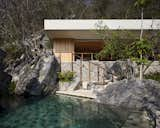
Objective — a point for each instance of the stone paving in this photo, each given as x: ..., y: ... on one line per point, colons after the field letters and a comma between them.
x: 78, y: 93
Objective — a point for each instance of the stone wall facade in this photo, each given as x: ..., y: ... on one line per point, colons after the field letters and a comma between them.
x: 95, y: 70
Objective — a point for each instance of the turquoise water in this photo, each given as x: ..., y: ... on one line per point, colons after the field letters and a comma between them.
x: 63, y: 112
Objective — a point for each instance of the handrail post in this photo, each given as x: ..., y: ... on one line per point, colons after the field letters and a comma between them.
x: 98, y: 73
x: 60, y: 62
x: 89, y: 71
x: 103, y: 76
x: 72, y: 61
x: 81, y: 66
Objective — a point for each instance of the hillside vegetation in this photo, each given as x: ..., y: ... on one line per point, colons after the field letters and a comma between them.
x: 19, y: 19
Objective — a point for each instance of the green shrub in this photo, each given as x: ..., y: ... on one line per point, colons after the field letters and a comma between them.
x: 154, y: 76
x: 67, y: 76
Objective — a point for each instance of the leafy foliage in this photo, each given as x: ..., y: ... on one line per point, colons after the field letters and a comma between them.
x: 142, y: 47
x: 109, y: 9
x: 155, y: 76
x: 121, y: 45
x: 21, y: 18
x: 67, y: 76
x: 142, y: 3
x: 116, y: 43
x: 114, y: 50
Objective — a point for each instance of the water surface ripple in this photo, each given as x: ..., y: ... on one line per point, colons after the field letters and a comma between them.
x: 64, y: 112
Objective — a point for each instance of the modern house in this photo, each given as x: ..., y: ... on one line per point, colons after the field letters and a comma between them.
x: 75, y: 43
x: 75, y: 39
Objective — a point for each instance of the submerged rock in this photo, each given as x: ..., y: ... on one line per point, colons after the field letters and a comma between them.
x: 134, y: 94
x: 138, y: 120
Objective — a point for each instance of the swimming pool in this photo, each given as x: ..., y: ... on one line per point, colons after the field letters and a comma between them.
x: 64, y: 112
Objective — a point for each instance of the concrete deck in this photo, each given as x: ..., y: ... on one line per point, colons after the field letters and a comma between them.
x: 78, y: 93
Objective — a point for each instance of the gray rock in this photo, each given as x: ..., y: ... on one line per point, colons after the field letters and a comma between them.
x: 153, y: 68
x: 70, y: 86
x: 35, y: 72
x: 120, y: 70
x: 75, y: 84
x: 134, y: 94
x: 39, y: 77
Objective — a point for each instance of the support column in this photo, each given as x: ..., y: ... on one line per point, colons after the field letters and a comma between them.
x: 89, y: 71
x: 81, y: 65
x: 98, y: 73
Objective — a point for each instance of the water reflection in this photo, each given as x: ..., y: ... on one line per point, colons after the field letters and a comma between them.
x: 64, y: 112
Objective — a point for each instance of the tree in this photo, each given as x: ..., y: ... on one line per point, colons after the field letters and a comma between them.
x: 115, y: 9
x: 139, y: 52
x: 123, y: 45
x: 115, y: 45
x: 116, y: 42
x: 141, y: 4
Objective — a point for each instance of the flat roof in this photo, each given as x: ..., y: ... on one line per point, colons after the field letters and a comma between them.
x: 118, y: 24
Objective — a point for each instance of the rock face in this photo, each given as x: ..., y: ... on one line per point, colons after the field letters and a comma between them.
x: 35, y: 72
x: 5, y: 79
x: 134, y: 94
x: 39, y: 78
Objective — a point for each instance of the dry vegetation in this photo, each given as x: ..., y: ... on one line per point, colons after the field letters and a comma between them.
x: 21, y: 18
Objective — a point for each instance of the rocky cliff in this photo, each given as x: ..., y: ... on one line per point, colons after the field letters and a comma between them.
x: 39, y: 77
x: 35, y: 72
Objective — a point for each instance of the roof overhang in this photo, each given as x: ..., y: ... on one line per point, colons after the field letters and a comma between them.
x: 85, y: 29
x: 148, y: 24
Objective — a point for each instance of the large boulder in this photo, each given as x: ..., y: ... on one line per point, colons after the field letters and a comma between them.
x: 39, y: 77
x: 35, y: 72
x: 134, y: 94
x: 120, y: 70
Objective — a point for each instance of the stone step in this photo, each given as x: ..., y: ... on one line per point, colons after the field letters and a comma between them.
x: 78, y: 93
